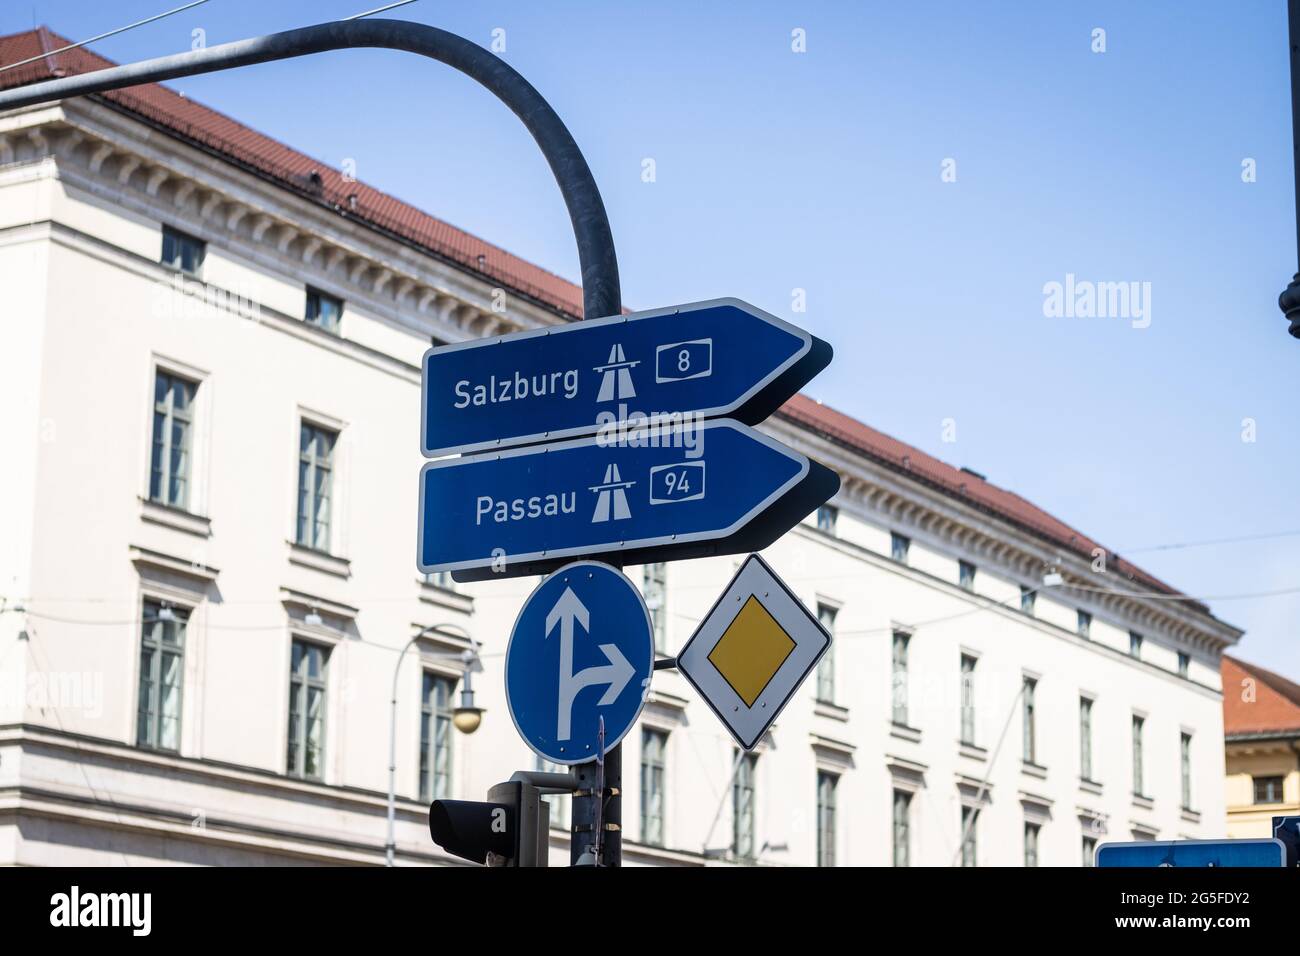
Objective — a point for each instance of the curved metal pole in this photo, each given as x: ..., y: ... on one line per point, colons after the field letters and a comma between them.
x: 390, y: 844
x: 600, y: 283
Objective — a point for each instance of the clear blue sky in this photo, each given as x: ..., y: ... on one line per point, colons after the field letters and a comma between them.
x: 821, y: 171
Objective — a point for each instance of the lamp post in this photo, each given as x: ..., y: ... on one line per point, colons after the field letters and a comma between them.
x: 465, y: 718
x: 1289, y: 300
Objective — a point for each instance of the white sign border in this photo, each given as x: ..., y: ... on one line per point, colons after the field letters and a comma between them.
x: 748, y: 724
x: 489, y: 560
x: 718, y: 411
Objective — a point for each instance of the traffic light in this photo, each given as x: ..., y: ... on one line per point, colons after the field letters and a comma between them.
x: 507, y: 830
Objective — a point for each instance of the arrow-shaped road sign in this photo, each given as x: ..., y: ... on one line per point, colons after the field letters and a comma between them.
x: 616, y: 674
x: 718, y: 358
x: 684, y: 491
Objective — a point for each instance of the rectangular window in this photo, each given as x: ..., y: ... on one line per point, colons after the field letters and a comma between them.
x: 901, y: 639
x: 1268, y: 789
x: 1184, y: 664
x: 827, y: 515
x: 826, y: 666
x: 306, y: 756
x: 969, y: 824
x: 902, y: 828
x: 966, y: 575
x: 315, y: 480
x: 436, y: 699
x: 655, y: 590
x: 1185, y: 767
x: 1135, y: 644
x: 1031, y: 844
x: 1029, y: 722
x: 1085, y: 738
x: 1137, y: 755
x: 162, y: 667
x: 1085, y: 624
x: 898, y: 546
x: 182, y: 252
x: 560, y: 803
x: 742, y: 808
x: 173, y: 425
x: 1089, y: 851
x: 323, y: 310
x: 1027, y: 597
x: 967, y: 699
x: 440, y: 579
x: 654, y: 744
x: 827, y: 783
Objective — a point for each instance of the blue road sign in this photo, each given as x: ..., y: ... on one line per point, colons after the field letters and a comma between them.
x: 717, y: 358
x: 1261, y: 852
x: 582, y: 649
x: 620, y: 493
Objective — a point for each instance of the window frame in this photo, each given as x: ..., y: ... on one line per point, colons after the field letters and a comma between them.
x: 967, y: 699
x: 744, y: 824
x: 654, y: 584
x: 654, y: 782
x: 827, y: 808
x: 966, y: 571
x: 297, y: 769
x: 153, y: 713
x: 1029, y: 720
x: 1083, y: 623
x: 825, y: 689
x: 900, y: 546
x: 161, y: 452
x: 900, y: 673
x: 180, y: 238
x: 902, y: 827
x: 1138, y: 768
x: 1033, y: 831
x: 436, y: 722
x: 969, y: 836
x: 1279, y: 793
x: 319, y: 296
x: 828, y: 517
x: 1085, y: 737
x: 307, y: 457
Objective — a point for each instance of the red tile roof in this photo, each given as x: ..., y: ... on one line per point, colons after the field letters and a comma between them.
x: 1274, y: 709
x: 963, y: 485
x: 213, y: 131
x: 217, y: 133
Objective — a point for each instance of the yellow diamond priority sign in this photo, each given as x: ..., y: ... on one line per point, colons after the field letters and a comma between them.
x: 752, y: 651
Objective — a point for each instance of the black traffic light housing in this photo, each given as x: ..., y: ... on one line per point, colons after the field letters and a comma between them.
x: 507, y: 830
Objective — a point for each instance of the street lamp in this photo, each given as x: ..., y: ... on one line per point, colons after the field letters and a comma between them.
x: 465, y: 718
x: 1289, y: 300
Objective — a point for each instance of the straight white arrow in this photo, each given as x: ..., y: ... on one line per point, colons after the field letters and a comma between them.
x: 617, y: 673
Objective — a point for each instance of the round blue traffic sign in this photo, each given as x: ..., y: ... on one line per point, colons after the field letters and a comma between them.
x: 581, y: 650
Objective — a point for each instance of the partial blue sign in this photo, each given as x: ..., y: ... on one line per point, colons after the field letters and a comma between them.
x: 1262, y: 852
x: 718, y: 358
x: 582, y: 651
x: 613, y: 493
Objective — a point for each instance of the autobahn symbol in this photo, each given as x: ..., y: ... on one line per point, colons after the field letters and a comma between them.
x: 581, y: 651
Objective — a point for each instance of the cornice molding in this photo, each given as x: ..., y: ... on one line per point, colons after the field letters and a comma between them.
x: 120, y: 159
